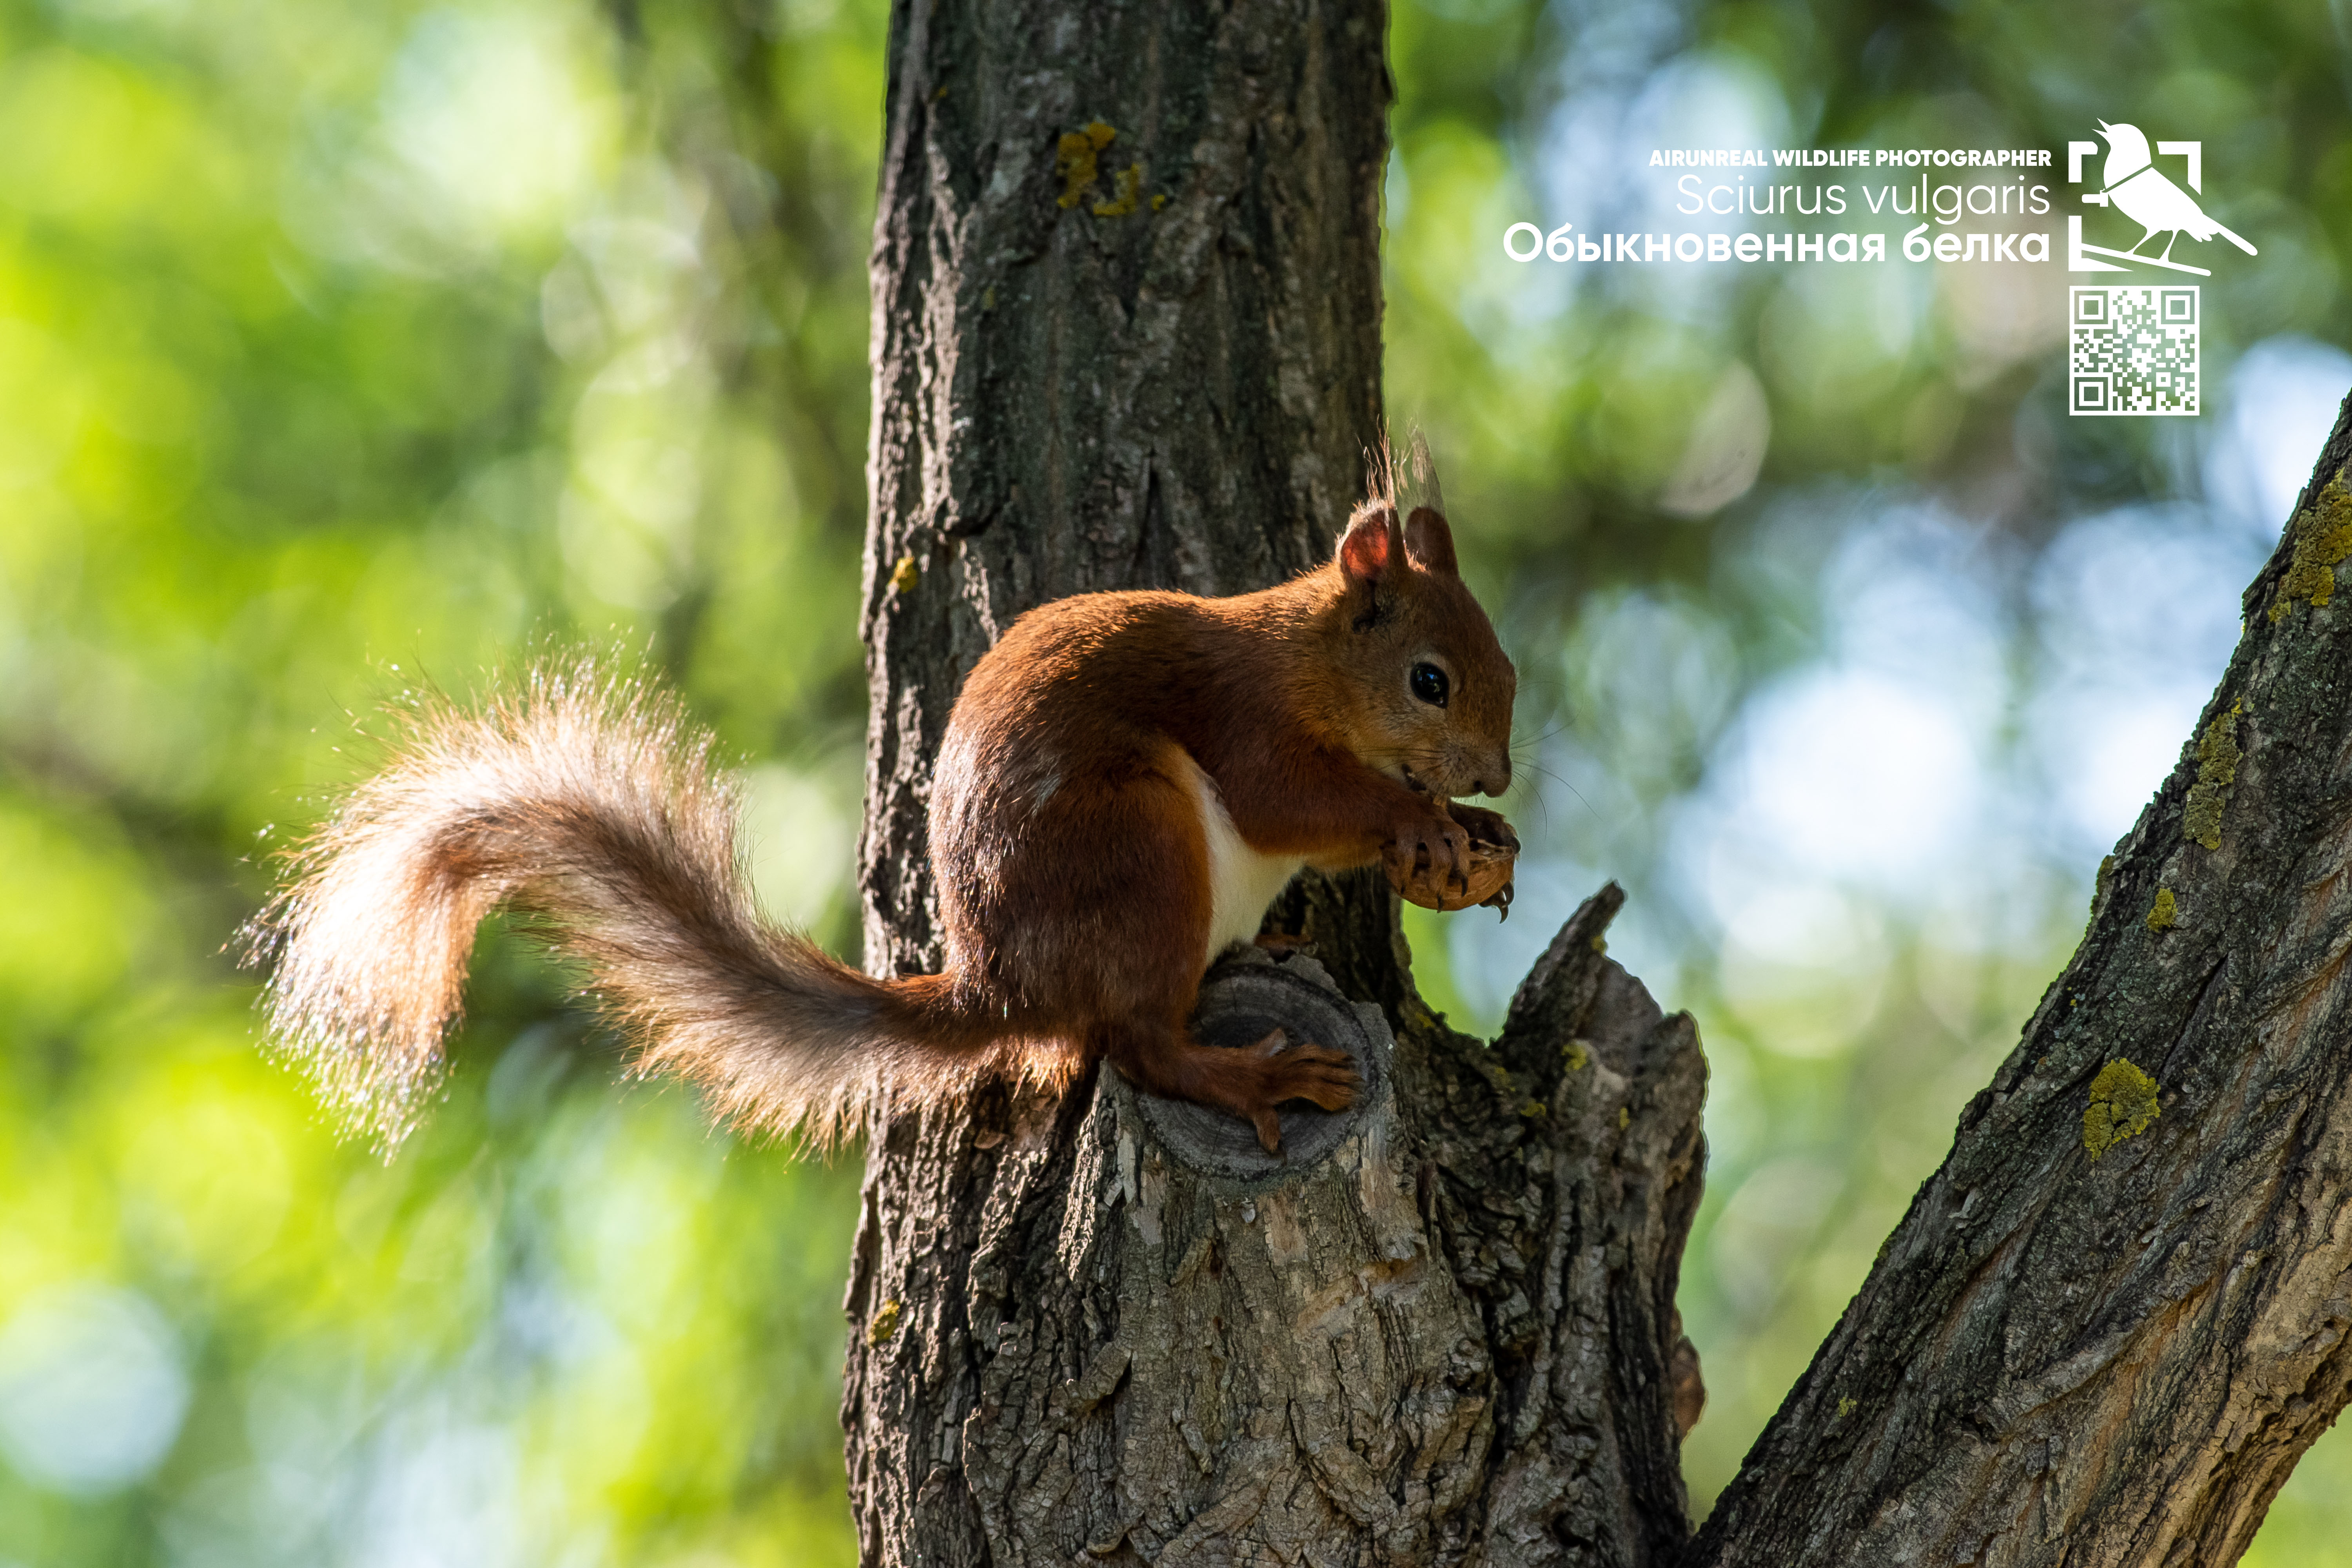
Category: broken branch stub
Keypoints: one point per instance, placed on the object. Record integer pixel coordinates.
(1246, 995)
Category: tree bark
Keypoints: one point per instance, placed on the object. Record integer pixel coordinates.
(1127, 335)
(2085, 1348)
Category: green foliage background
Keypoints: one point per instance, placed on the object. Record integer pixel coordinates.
(348, 349)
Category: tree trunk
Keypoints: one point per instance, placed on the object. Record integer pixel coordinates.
(2113, 1321)
(1127, 335)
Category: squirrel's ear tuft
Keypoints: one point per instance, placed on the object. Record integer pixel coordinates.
(1429, 542)
(1373, 549)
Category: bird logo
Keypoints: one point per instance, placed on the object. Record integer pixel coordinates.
(2133, 185)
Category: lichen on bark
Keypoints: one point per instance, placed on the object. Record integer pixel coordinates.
(2322, 536)
(2218, 753)
(2124, 1100)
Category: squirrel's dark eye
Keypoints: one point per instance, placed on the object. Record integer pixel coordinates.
(1429, 684)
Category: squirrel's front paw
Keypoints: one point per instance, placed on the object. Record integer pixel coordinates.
(1431, 851)
(1486, 827)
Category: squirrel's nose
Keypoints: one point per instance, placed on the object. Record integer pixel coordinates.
(1501, 780)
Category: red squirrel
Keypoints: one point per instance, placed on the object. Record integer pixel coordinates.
(1126, 783)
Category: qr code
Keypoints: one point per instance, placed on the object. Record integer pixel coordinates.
(2132, 350)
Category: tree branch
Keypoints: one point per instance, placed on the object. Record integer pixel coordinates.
(2102, 1335)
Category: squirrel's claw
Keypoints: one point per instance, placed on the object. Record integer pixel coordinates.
(1269, 1130)
(1500, 901)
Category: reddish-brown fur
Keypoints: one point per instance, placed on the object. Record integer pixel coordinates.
(1065, 831)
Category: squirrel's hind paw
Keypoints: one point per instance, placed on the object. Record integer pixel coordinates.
(1318, 1074)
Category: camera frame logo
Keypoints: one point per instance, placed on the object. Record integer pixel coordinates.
(2132, 349)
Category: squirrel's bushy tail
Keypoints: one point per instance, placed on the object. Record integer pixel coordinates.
(593, 804)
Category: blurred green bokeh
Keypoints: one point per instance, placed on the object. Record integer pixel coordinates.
(345, 350)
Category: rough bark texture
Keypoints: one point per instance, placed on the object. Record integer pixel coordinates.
(2117, 1359)
(1448, 1339)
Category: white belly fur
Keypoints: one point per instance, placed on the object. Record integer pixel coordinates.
(1242, 882)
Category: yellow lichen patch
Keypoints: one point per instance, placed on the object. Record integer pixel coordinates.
(2099, 890)
(2217, 755)
(1845, 1408)
(903, 575)
(2166, 914)
(1129, 192)
(2323, 537)
(1575, 1055)
(1160, 201)
(1075, 156)
(885, 1324)
(2123, 1102)
(1625, 1117)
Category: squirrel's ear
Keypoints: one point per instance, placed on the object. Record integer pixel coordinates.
(1372, 549)
(1429, 542)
